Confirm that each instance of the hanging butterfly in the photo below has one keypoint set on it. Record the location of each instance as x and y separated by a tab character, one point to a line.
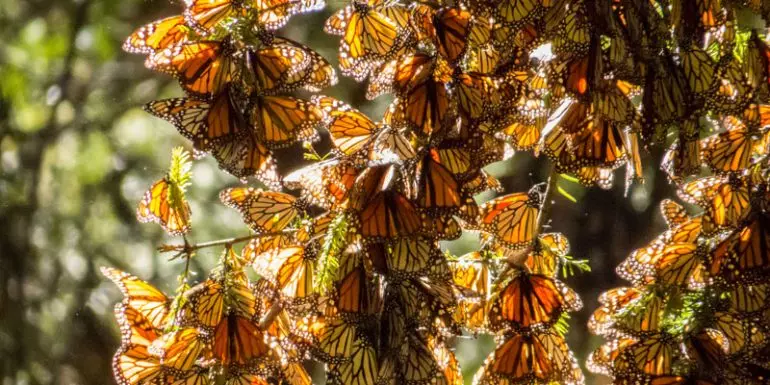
511	219
204	68
529	299
371	30
157	36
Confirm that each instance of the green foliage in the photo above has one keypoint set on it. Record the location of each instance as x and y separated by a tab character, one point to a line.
571	266
179	175
329	256
562	324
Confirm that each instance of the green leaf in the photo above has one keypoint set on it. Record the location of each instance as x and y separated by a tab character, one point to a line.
571	266
564	193
562	324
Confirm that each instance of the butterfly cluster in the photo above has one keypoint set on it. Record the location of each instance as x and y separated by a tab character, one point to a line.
239	77
697	310
208	331
348	257
523	306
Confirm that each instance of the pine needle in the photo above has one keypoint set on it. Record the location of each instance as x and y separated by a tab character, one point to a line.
179	175
331	249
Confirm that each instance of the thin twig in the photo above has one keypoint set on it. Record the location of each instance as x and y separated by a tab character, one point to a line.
187	248
545	209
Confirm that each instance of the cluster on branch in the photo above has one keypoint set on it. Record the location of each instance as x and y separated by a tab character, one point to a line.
350	269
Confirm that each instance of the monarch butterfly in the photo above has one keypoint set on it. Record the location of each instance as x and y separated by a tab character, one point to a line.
523	136
274	68
570	27
206	124
471	276
291	270
247	157
373	180
652	355
237	340
351	131
140	295
391	144
664	96
519	11
274	14
757	61
577	138
673	213
734	93
725	199
206	302
643	321
543	356
263	211
438	188
264	244
730	151
157	36
423	299
612	302
284	65
390	215
360	369
166	207
410	255
708	348
196	376
692	18
745	254
579	75
326	184
451	30
331	339
748	298
699	70
481	181
354	295
475	94
639	266
281	121
203	68
179	349
511	218
134	365
602	360
251	376
737	330
546	255
370	32
426	107
516	42
418	365
456	156
206	15
135	328
600	143
679	264
614	105
529	299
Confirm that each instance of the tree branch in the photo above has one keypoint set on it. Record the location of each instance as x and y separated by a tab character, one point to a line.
188	248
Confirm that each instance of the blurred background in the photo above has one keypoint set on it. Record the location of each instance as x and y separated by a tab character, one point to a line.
77	153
